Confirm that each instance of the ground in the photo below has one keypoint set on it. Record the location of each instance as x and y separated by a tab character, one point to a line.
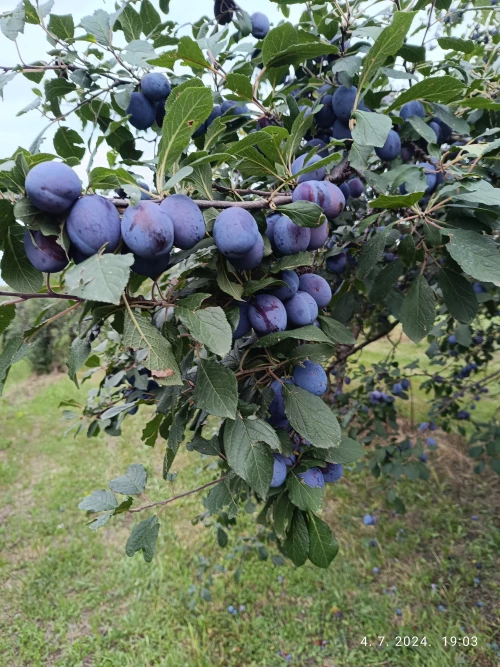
72	597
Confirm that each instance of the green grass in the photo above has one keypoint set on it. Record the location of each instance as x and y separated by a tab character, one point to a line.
71	597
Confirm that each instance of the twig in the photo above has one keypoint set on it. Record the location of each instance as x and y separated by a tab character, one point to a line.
44	295
254	205
181	495
368	341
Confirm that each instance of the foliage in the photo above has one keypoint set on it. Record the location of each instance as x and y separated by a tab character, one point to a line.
338	101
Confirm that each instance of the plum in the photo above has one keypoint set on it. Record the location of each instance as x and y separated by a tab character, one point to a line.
260	25
313	478
148	230
187	218
446	130
235	232
430	174
267	314
413	108
155	86
44	253
270	222
223	11
289	237
405	383
323	193
215	113
235	108
325	117
93	222
251	259
346	191
333	472
152	267
243	323
341	130
277	405
53	186
141	111
301	309
316	175
292	285
319	236
337	263
343	102
356	188
160	112
319	144
311	377
407	152
317	287
391	149
279	471
437	131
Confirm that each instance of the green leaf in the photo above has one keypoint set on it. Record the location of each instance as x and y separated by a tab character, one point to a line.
371	129
138	53
150	18
241	85
216	389
396	201
132	483
17	270
102	277
140	333
175	437
459	297
350	65
296	545
433	89
457	44
143	538
385	280
283	46
99	501
209	327
348	451
293	261
233	289
151	431
13	23
418	310
300	126
319	353
283	511
204	446
247	454
479	192
424	130
7	316
14	350
336	331
130	22
68	143
302	495
62	26
390	40
102	178
77	356
407	250
371	254
444	114
309	333
303	213
323	547
413	53
477	255
311	418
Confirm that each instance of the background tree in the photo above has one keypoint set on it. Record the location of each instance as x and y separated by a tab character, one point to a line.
312	191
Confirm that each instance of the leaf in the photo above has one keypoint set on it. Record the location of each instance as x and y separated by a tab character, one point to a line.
396	201
390	40
233	289
302	495
348	451
386	279
459	297
480	192
336	331
371	129
350	65
17	271
319	353
323	547
433	89
98	25
182	117
293	261
216	389
29	107
303	213
13	24
300	126
138	53
476	254
62	26
371	254
282	46
132	483
247	455
283	511
151	431
311	418
102	277
7	316
77	356
175	437
241	85
99	501
309	333
418	310
463	45
143	538
102	178
205	447
424	130
150	18
296	545
13	350
68	143
139	333
209	327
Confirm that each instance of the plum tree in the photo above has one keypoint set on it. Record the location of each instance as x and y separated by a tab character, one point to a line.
53	186
235	232
220	295
93	223
148	230
44	252
187	218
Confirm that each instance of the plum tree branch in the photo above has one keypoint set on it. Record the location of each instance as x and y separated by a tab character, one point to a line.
368	341
161	503
255	205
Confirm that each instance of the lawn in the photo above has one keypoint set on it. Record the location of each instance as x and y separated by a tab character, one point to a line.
71	597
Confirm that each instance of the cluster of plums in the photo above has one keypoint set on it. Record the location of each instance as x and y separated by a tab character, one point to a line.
223	13
148	105
148	230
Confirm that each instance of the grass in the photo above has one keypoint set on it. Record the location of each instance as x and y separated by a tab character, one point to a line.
71	597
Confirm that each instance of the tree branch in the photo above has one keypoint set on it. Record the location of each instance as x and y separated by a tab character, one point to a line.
181	495
43	295
254	205
368	341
